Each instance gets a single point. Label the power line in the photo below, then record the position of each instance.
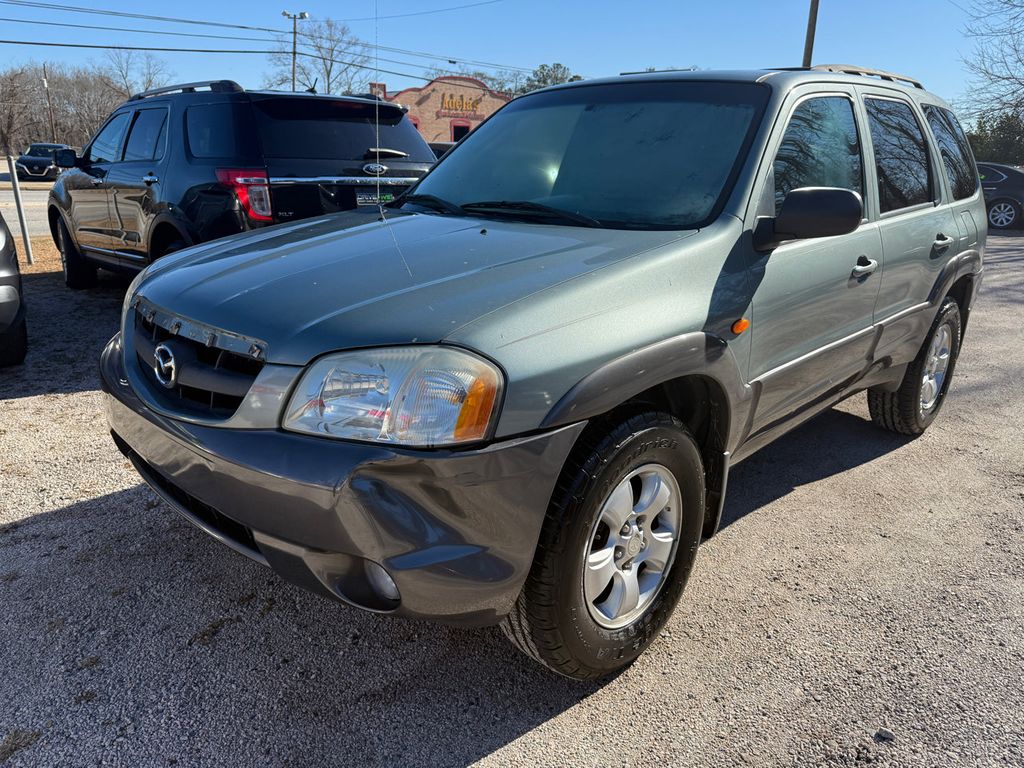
(425, 13)
(124, 14)
(96, 46)
(38, 4)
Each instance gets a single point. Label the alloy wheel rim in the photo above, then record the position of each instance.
(1002, 214)
(936, 367)
(632, 546)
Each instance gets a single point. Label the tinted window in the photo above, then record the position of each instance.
(41, 150)
(221, 130)
(144, 140)
(991, 175)
(956, 152)
(106, 147)
(820, 148)
(335, 130)
(901, 155)
(631, 155)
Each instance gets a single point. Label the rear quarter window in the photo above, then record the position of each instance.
(955, 151)
(221, 130)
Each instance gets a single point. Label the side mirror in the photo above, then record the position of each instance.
(810, 212)
(65, 158)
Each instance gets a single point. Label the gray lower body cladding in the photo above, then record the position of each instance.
(455, 530)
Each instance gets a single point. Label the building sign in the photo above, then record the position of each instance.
(460, 105)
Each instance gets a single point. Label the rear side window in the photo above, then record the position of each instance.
(327, 129)
(901, 155)
(956, 152)
(106, 147)
(819, 149)
(991, 175)
(145, 142)
(221, 130)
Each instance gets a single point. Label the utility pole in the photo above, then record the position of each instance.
(49, 106)
(812, 24)
(295, 17)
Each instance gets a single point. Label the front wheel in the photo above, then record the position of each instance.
(1004, 214)
(616, 548)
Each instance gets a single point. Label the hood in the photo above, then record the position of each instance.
(351, 280)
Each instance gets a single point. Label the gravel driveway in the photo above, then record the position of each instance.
(862, 582)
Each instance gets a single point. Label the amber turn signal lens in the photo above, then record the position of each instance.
(740, 326)
(476, 409)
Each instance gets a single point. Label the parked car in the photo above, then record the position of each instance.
(13, 330)
(441, 147)
(1004, 194)
(516, 397)
(191, 163)
(37, 162)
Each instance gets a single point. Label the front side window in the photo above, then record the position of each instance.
(955, 151)
(106, 147)
(819, 149)
(144, 141)
(901, 155)
(627, 155)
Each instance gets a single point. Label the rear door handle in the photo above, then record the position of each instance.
(942, 242)
(149, 178)
(96, 182)
(865, 266)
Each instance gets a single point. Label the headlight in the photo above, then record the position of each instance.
(413, 396)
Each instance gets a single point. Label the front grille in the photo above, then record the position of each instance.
(211, 382)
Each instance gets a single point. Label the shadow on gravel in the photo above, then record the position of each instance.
(120, 618)
(827, 445)
(66, 332)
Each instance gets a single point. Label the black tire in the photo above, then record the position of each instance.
(901, 411)
(78, 273)
(551, 621)
(14, 344)
(171, 247)
(1004, 214)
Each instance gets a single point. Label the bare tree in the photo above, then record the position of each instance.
(16, 107)
(331, 59)
(997, 64)
(130, 72)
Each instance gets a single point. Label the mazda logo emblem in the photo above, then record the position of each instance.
(375, 169)
(165, 366)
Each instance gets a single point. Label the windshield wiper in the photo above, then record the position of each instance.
(433, 202)
(372, 152)
(530, 209)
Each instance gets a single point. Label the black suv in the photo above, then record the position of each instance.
(37, 162)
(1004, 194)
(190, 163)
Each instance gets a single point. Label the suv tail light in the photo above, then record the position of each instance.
(252, 188)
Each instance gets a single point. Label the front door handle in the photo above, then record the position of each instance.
(865, 266)
(149, 178)
(942, 242)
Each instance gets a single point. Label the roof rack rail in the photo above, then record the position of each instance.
(852, 69)
(658, 71)
(217, 86)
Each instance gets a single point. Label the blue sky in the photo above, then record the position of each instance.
(922, 38)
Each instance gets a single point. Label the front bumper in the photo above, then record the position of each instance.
(39, 172)
(455, 530)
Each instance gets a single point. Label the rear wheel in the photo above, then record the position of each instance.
(616, 549)
(913, 407)
(171, 247)
(1004, 214)
(14, 344)
(78, 273)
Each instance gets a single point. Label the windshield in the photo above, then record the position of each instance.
(645, 155)
(336, 130)
(41, 150)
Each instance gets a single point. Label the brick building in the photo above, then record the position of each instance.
(446, 108)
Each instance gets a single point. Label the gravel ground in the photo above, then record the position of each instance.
(862, 605)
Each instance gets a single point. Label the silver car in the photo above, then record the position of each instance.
(514, 395)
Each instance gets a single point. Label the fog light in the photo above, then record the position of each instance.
(381, 581)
